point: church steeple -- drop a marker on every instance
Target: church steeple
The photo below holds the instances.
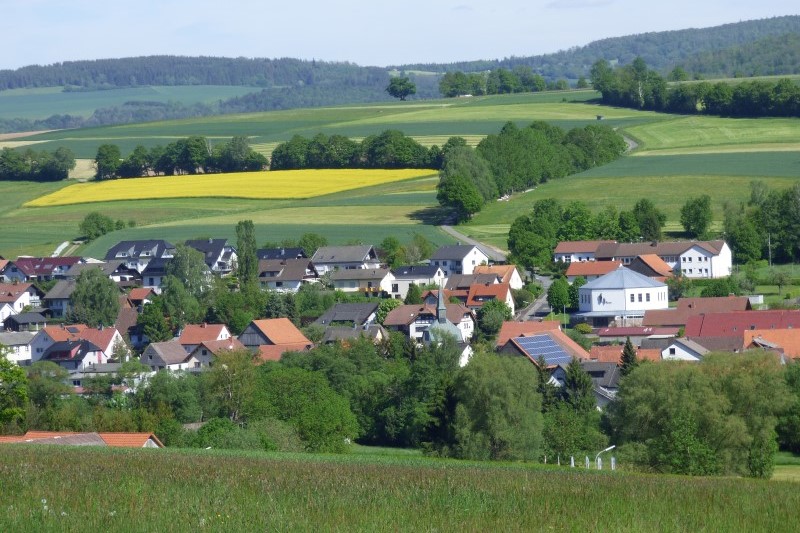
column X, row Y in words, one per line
column 441, row 309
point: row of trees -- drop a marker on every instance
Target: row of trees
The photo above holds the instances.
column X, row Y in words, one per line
column 186, row 156
column 389, row 149
column 32, row 165
column 532, row 238
column 520, row 79
column 637, row 86
column 518, row 158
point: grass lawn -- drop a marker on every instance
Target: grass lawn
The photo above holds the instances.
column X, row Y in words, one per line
column 75, row 489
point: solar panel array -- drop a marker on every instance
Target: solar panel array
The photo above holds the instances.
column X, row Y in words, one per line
column 538, row 346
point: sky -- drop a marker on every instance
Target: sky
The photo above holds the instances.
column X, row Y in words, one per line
column 365, row 32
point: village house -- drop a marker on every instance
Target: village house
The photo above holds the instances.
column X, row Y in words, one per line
column 280, row 253
column 57, row 299
column 193, row 334
column 117, row 271
column 692, row 259
column 105, row 339
column 370, row 282
column 205, row 352
column 621, row 296
column 25, row 322
column 652, row 266
column 73, row 355
column 590, row 270
column 138, row 254
column 271, row 338
column 505, row 273
column 550, row 344
column 577, row 251
column 421, row 275
column 351, row 315
column 219, row 256
column 689, row 307
column 329, row 258
column 286, row 275
column 459, row 259
column 18, row 344
column 25, row 269
column 169, row 355
column 414, row 321
column 68, row 438
column 15, row 297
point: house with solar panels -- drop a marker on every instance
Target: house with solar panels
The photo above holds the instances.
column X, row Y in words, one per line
column 554, row 346
column 621, row 297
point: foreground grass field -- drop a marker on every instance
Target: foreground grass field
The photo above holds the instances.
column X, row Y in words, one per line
column 72, row 489
column 290, row 184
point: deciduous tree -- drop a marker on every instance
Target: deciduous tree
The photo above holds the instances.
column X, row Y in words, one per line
column 95, row 300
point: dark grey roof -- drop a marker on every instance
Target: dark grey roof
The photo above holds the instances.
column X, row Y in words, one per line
column 612, row 250
column 62, row 290
column 280, row 253
column 343, row 254
column 415, row 271
column 16, row 338
column 359, row 273
column 134, row 249
column 454, row 252
column 58, row 351
column 357, row 313
column 156, row 267
column 210, row 248
column 285, row 269
column 27, row 318
column 605, row 375
column 106, row 267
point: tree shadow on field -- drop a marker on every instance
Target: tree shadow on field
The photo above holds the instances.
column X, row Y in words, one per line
column 432, row 216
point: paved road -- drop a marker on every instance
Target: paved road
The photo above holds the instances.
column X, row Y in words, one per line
column 539, row 307
column 494, row 253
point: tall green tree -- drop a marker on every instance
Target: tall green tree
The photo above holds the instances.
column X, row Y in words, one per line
column 498, row 414
column 629, row 360
column 154, row 325
column 578, row 389
column 189, row 267
column 491, row 317
column 95, row 300
column 650, row 219
column 107, row 161
column 461, row 195
column 13, row 392
column 696, row 215
column 247, row 266
column 558, row 295
column 401, row 87
column 96, row 224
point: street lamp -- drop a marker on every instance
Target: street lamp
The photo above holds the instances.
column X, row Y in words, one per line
column 603, row 451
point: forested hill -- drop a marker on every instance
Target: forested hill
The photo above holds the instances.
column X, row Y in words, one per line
column 660, row 50
column 179, row 70
column 771, row 56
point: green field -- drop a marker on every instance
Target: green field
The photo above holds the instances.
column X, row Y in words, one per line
column 677, row 157
column 47, row 101
column 53, row 488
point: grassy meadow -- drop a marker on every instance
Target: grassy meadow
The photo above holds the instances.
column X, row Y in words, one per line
column 74, row 489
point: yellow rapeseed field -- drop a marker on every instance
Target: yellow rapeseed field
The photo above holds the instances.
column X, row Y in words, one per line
column 267, row 185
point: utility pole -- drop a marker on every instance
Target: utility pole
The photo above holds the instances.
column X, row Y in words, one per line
column 769, row 247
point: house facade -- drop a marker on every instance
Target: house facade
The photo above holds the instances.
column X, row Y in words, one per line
column 18, row 344
column 14, row 297
column 193, row 334
column 692, row 259
column 577, row 251
column 220, row 257
column 459, row 259
column 368, row 281
column 406, row 276
column 168, row 355
column 621, row 296
column 286, row 275
column 415, row 320
column 329, row 258
column 138, row 254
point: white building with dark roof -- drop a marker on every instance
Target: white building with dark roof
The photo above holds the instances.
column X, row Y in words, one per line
column 330, row 258
column 692, row 259
column 621, row 296
column 459, row 259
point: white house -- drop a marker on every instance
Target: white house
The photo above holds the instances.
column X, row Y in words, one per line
column 369, row 281
column 285, row 275
column 459, row 259
column 577, row 251
column 506, row 273
column 683, row 350
column 138, row 254
column 621, row 296
column 104, row 338
column 14, row 297
column 330, row 258
column 193, row 334
column 415, row 320
column 169, row 355
column 219, row 256
column 406, row 276
column 18, row 344
column 692, row 259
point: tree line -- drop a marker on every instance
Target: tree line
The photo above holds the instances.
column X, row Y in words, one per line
column 519, row 158
column 520, row 79
column 637, row 86
column 389, row 149
column 33, row 165
column 185, row 156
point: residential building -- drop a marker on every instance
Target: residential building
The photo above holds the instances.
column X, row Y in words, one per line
column 68, row 438
column 329, row 258
column 220, row 257
column 280, row 253
column 74, row 355
column 577, row 251
column 692, row 259
column 590, row 270
column 652, row 266
column 371, row 282
column 459, row 259
column 205, row 352
column 57, row 299
column 415, row 320
column 38, row 268
column 621, row 296
column 552, row 345
column 734, row 323
column 168, row 355
column 506, row 274
column 193, row 334
column 138, row 254
column 18, row 344
column 526, row 328
column 286, row 275
column 271, row 338
column 117, row 271
column 25, row 322
column 406, row 276
column 14, row 297
column 105, row 338
column 351, row 315
column 689, row 307
column 683, row 349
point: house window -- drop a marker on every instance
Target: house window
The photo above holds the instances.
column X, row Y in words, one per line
column 640, row 296
column 632, row 298
column 395, row 287
column 279, row 284
column 647, row 297
column 672, row 351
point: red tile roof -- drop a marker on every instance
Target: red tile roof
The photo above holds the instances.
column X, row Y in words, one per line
column 635, row 331
column 274, row 352
column 510, row 330
column 197, row 333
column 504, row 272
column 559, row 337
column 281, row 331
column 786, row 339
column 657, row 264
column 406, row 314
column 727, row 324
column 64, row 333
column 613, row 354
column 215, row 347
column 11, row 292
column 44, row 266
column 480, row 294
column 592, row 268
column 129, row 440
column 579, row 247
column 138, row 294
column 688, row 307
